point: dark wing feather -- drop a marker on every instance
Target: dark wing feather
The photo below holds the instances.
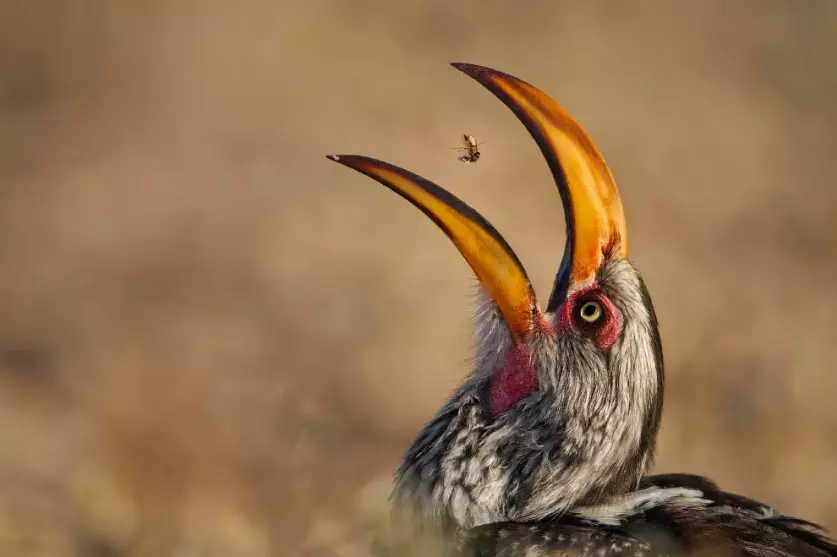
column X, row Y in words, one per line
column 738, row 510
column 714, row 524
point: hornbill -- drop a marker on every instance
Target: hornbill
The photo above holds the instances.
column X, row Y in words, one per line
column 544, row 448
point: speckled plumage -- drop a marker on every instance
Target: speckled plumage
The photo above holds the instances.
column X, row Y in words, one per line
column 669, row 515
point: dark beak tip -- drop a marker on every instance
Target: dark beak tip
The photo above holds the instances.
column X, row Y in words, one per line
column 470, row 69
column 346, row 160
column 484, row 75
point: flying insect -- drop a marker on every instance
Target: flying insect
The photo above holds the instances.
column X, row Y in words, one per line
column 471, row 148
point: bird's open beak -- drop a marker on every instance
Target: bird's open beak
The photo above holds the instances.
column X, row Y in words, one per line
column 495, row 264
column 593, row 210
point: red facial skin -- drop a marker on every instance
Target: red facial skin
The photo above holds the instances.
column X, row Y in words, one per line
column 514, row 382
column 518, row 378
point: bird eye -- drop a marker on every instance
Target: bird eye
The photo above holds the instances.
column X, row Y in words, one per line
column 590, row 312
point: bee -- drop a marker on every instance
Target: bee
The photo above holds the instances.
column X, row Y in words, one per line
column 471, row 148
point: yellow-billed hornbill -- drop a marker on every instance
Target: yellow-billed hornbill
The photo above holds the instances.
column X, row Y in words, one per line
column 543, row 449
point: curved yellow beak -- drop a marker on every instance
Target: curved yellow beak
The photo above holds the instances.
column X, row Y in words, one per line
column 595, row 220
column 495, row 264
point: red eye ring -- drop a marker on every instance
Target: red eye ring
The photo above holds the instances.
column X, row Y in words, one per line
column 590, row 313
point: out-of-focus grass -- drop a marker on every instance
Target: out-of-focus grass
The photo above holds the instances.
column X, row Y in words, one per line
column 214, row 340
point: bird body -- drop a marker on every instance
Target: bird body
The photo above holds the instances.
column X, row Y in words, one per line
column 545, row 447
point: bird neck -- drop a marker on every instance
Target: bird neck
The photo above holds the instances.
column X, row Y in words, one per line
column 468, row 469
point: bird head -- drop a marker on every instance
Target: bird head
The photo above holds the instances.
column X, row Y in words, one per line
column 563, row 404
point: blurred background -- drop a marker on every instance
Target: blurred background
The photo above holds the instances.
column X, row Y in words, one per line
column 215, row 342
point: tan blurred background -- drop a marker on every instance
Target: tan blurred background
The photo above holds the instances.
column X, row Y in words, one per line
column 215, row 342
